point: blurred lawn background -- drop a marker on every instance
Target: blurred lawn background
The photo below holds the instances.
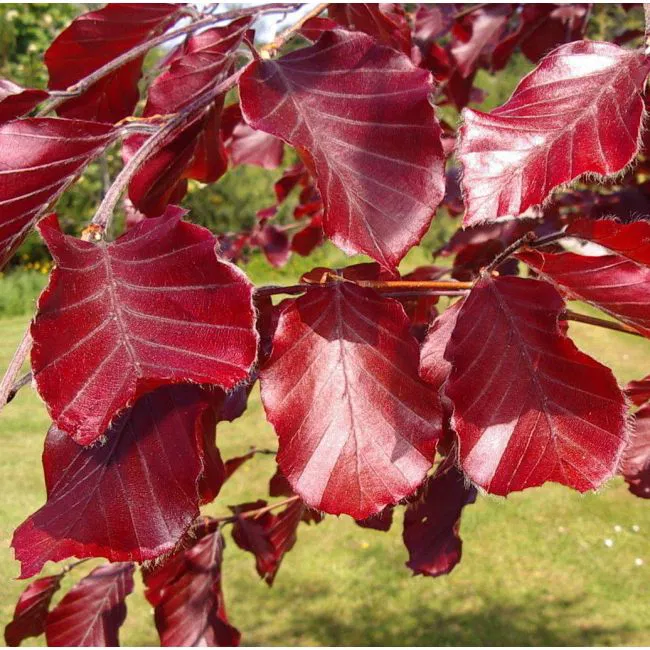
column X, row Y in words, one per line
column 537, row 568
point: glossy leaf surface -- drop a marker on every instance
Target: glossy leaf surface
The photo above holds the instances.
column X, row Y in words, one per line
column 39, row 158
column 579, row 111
column 93, row 40
column 131, row 498
column 359, row 115
column 346, row 346
column 155, row 307
column 529, row 407
column 93, row 611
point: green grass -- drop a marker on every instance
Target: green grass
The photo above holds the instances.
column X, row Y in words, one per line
column 535, row 568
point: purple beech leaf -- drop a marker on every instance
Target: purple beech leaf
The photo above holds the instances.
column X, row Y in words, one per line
column 131, row 498
column 432, row 522
column 529, row 407
column 346, row 346
column 618, row 282
column 16, row 100
column 358, row 113
column 187, row 598
column 93, row 611
column 154, row 307
column 578, row 112
column 31, row 610
column 39, row 159
column 93, row 40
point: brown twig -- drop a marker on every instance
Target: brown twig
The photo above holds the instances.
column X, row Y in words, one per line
column 254, row 514
column 16, row 363
column 567, row 314
column 20, row 383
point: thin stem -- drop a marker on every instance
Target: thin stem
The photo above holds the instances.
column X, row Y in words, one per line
column 548, row 239
column 20, row 383
column 68, row 567
column 393, row 287
column 16, row 363
column 105, row 211
column 287, row 34
column 60, row 97
column 646, row 12
column 254, row 514
column 567, row 314
column 525, row 239
column 469, row 10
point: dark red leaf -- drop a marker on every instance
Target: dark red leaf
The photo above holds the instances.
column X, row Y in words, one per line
column 432, row 523
column 155, row 307
column 618, row 283
column 279, row 486
column 245, row 145
column 32, row 610
column 39, row 159
column 359, row 115
column 529, row 407
column 233, row 464
column 16, row 100
column 268, row 536
column 196, row 151
column 187, row 597
column 306, row 240
column 344, row 346
column 636, row 459
column 93, row 611
column 385, row 22
column 131, row 498
column 639, row 391
column 487, row 26
column 94, row 39
column 382, row 521
column 274, row 243
column 578, row 112
column 543, row 27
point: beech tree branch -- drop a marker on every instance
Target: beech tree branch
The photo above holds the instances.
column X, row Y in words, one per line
column 281, row 39
column 16, row 363
column 106, row 209
column 253, row 514
column 60, row 97
column 599, row 322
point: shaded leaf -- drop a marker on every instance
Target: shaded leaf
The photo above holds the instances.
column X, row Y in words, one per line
column 93, row 611
column 579, row 111
column 432, row 522
column 155, row 307
column 529, row 407
column 31, row 610
column 268, row 536
column 245, row 145
column 345, row 345
column 187, row 597
column 40, row 158
column 131, row 498
column 94, row 39
column 359, row 115
column 381, row 521
column 434, row 368
column 639, row 391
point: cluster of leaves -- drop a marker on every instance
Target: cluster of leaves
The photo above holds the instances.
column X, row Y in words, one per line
column 377, row 399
